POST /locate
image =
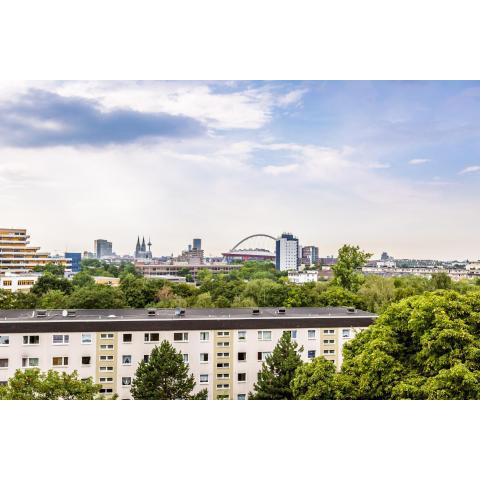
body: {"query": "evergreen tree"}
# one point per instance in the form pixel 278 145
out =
pixel 277 372
pixel 165 376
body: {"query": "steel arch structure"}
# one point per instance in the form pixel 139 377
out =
pixel 252 236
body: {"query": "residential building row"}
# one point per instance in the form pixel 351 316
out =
pixel 224 348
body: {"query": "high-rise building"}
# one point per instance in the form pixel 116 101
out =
pixel 141 251
pixel 287 253
pixel 310 255
pixel 102 248
pixel 17 256
pixel 197 243
pixel 76 259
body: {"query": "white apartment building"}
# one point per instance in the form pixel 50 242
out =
pixel 288 252
pixel 224 348
pixel 303 277
pixel 18 282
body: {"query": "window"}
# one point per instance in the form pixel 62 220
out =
pixel 242 377
pixel 223 365
pixel 106 390
pixel 223 354
pixel 328 332
pixel 127 338
pixel 242 335
pixel 329 352
pixel 126 381
pixel 152 337
pixel 204 336
pixel 346 333
pixel 60 339
pixel 106 379
pixel 3 362
pixel 223 386
pixel 223 397
pixel 60 361
pixel 86 338
pixel 106 357
pixel 106 336
pixel 86 360
pixel 311 334
pixel 204 357
pixel 180 337
pixel 241 396
pixel 4 340
pixel 204 378
pixel 242 356
pixel 311 354
pixel 223 344
pixel 263 356
pixel 30 362
pixel 223 334
pixel 223 376
pixel 145 358
pixel 293 333
pixel 264 335
pixel 126 359
pixel 185 358
pixel 108 346
pixel 31 339
pixel 328 341
pixel 106 369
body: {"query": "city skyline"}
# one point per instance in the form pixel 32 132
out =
pixel 386 165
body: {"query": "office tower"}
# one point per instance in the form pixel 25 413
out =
pixel 102 248
pixel 197 243
pixel 287 253
pixel 76 259
pixel 310 255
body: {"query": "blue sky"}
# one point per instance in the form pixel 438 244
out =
pixel 387 165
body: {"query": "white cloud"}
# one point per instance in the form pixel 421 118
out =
pixel 378 165
pixel 418 161
pixel 292 97
pixel 280 169
pixel 471 169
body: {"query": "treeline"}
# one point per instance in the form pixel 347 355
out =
pixel 256 284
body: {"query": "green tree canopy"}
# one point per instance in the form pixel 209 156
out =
pixel 31 384
pixel 278 370
pixel 165 376
pixel 314 380
pixel 49 281
pixel 96 296
pixel 347 270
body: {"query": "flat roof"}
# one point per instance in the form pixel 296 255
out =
pixel 191 313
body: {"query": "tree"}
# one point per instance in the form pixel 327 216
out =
pixel 314 380
pixel 49 281
pixel 52 268
pixel 347 270
pixel 377 293
pixel 165 376
pixel 31 384
pixel 53 299
pixel 278 370
pixel 96 296
pixel 266 293
pixel 423 347
pixel 82 279
pixel 441 281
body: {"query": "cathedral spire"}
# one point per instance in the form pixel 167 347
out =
pixel 144 248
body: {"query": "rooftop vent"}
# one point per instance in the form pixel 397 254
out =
pixel 282 311
pixel 256 311
pixel 41 313
pixel 179 312
pixel 350 309
pixel 71 313
pixel 151 313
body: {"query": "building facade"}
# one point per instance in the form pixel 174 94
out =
pixel 310 255
pixel 287 253
pixel 303 277
pixel 102 248
pixel 18 256
pixel 75 259
pixel 18 282
pixel 224 348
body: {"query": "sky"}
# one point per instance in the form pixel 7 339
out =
pixel 388 166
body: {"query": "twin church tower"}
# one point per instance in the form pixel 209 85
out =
pixel 141 249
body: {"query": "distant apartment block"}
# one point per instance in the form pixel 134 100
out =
pixel 18 282
pixel 75 259
pixel 224 348
pixel 310 255
pixel 303 277
pixel 18 256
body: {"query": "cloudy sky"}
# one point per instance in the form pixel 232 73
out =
pixel 389 166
